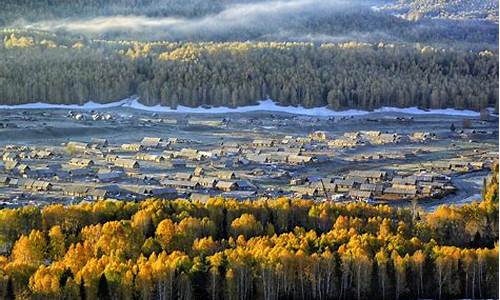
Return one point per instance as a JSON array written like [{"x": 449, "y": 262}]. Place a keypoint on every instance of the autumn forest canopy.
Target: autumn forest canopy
[
  {"x": 340, "y": 54},
  {"x": 266, "y": 249}
]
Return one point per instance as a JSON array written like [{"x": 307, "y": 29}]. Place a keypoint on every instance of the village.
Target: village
[{"x": 374, "y": 166}]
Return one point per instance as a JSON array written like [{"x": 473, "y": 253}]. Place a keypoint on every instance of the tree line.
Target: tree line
[
  {"x": 50, "y": 69},
  {"x": 266, "y": 249}
]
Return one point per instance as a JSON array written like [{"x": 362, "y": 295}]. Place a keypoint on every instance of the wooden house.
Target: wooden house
[
  {"x": 126, "y": 163},
  {"x": 232, "y": 151},
  {"x": 11, "y": 165},
  {"x": 13, "y": 182},
  {"x": 206, "y": 182},
  {"x": 150, "y": 157},
  {"x": 43, "y": 154},
  {"x": 226, "y": 186},
  {"x": 318, "y": 136},
  {"x": 99, "y": 194},
  {"x": 263, "y": 143},
  {"x": 310, "y": 191},
  {"x": 323, "y": 185},
  {"x": 109, "y": 176},
  {"x": 387, "y": 138},
  {"x": 4, "y": 180},
  {"x": 277, "y": 157},
  {"x": 240, "y": 195},
  {"x": 371, "y": 176},
  {"x": 199, "y": 197},
  {"x": 98, "y": 143},
  {"x": 198, "y": 171},
  {"x": 37, "y": 185},
  {"x": 352, "y": 135},
  {"x": 329, "y": 187},
  {"x": 226, "y": 175},
  {"x": 297, "y": 181},
  {"x": 298, "y": 159},
  {"x": 81, "y": 162},
  {"x": 151, "y": 191},
  {"x": 132, "y": 147},
  {"x": 111, "y": 157},
  {"x": 180, "y": 184},
  {"x": 188, "y": 153},
  {"x": 183, "y": 176},
  {"x": 76, "y": 190},
  {"x": 173, "y": 140},
  {"x": 374, "y": 188},
  {"x": 460, "y": 166},
  {"x": 77, "y": 146},
  {"x": 258, "y": 158},
  {"x": 23, "y": 169},
  {"x": 403, "y": 192},
  {"x": 10, "y": 156},
  {"x": 371, "y": 133},
  {"x": 421, "y": 136},
  {"x": 151, "y": 142},
  {"x": 41, "y": 173},
  {"x": 344, "y": 143},
  {"x": 175, "y": 163},
  {"x": 80, "y": 172},
  {"x": 408, "y": 180},
  {"x": 344, "y": 185},
  {"x": 360, "y": 195}
]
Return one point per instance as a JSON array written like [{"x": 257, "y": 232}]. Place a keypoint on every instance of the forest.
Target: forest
[
  {"x": 457, "y": 9},
  {"x": 39, "y": 66},
  {"x": 310, "y": 53},
  {"x": 266, "y": 249}
]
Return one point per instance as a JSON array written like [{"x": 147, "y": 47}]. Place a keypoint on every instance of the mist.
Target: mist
[
  {"x": 314, "y": 21},
  {"x": 255, "y": 19}
]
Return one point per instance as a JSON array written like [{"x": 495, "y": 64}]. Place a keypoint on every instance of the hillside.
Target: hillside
[{"x": 43, "y": 68}]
